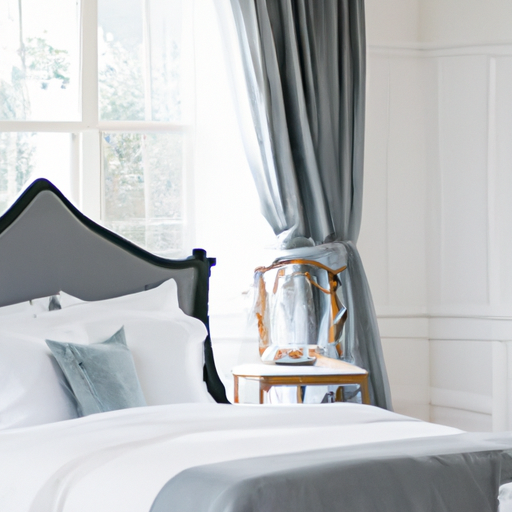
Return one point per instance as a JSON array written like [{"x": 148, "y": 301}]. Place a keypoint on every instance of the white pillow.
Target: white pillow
[
  {"x": 33, "y": 389},
  {"x": 67, "y": 300},
  {"x": 162, "y": 298},
  {"x": 29, "y": 308},
  {"x": 166, "y": 344},
  {"x": 167, "y": 347}
]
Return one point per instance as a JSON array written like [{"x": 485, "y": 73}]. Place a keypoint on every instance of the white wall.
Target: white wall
[
  {"x": 392, "y": 241},
  {"x": 465, "y": 21},
  {"x": 436, "y": 235},
  {"x": 438, "y": 22},
  {"x": 392, "y": 21}
]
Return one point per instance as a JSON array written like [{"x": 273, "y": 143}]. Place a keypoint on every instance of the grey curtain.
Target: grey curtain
[{"x": 304, "y": 68}]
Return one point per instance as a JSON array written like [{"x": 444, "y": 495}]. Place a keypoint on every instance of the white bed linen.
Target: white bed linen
[
  {"x": 119, "y": 461},
  {"x": 33, "y": 388}
]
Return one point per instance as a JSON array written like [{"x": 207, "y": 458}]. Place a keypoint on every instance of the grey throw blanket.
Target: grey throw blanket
[{"x": 436, "y": 474}]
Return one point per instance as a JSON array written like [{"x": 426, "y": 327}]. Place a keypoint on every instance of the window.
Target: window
[
  {"x": 98, "y": 100},
  {"x": 125, "y": 105}
]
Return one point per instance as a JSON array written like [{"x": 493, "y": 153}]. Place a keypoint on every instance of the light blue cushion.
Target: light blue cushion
[{"x": 101, "y": 375}]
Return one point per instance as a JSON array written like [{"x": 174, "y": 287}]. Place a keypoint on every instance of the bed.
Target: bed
[{"x": 70, "y": 282}]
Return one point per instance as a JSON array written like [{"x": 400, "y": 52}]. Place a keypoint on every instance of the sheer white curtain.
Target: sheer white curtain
[
  {"x": 227, "y": 218},
  {"x": 226, "y": 209}
]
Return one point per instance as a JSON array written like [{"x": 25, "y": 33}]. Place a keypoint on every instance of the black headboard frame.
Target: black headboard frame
[{"x": 48, "y": 245}]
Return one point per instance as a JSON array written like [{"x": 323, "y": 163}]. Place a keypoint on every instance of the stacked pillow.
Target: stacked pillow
[
  {"x": 166, "y": 346},
  {"x": 29, "y": 375},
  {"x": 30, "y": 308}
]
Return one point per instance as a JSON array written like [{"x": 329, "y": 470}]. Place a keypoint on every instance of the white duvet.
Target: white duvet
[{"x": 119, "y": 461}]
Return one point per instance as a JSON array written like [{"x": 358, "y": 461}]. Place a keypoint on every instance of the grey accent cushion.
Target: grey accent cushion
[{"x": 101, "y": 375}]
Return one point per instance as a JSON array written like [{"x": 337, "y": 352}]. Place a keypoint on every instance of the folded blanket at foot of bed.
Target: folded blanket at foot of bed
[{"x": 442, "y": 474}]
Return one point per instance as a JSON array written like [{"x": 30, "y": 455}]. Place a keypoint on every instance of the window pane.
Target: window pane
[
  {"x": 142, "y": 57},
  {"x": 26, "y": 156},
  {"x": 39, "y": 60},
  {"x": 143, "y": 189}
]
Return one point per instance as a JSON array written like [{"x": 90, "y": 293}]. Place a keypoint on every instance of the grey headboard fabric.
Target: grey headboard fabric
[{"x": 47, "y": 245}]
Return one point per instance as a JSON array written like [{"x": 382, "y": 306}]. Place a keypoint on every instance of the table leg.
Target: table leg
[
  {"x": 299, "y": 394},
  {"x": 339, "y": 395},
  {"x": 236, "y": 389},
  {"x": 365, "y": 395},
  {"x": 262, "y": 391}
]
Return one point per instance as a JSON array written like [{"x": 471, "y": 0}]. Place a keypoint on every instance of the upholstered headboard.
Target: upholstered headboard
[{"x": 48, "y": 245}]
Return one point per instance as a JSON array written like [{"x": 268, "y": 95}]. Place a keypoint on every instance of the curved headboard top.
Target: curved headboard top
[{"x": 48, "y": 245}]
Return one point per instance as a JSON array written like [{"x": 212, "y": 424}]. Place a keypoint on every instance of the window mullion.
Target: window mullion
[
  {"x": 90, "y": 174},
  {"x": 89, "y": 68},
  {"x": 41, "y": 126},
  {"x": 141, "y": 126},
  {"x": 146, "y": 31},
  {"x": 89, "y": 147},
  {"x": 75, "y": 141}
]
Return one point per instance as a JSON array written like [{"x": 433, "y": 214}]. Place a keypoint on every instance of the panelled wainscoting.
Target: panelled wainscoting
[{"x": 436, "y": 238}]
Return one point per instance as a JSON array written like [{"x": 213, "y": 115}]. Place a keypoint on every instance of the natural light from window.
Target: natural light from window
[{"x": 126, "y": 106}]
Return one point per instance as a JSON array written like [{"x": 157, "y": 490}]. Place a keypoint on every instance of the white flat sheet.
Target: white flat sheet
[{"x": 119, "y": 461}]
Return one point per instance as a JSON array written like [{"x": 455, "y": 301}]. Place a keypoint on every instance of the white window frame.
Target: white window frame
[{"x": 86, "y": 159}]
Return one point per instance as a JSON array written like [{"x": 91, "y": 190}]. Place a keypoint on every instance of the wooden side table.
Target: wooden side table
[{"x": 336, "y": 373}]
